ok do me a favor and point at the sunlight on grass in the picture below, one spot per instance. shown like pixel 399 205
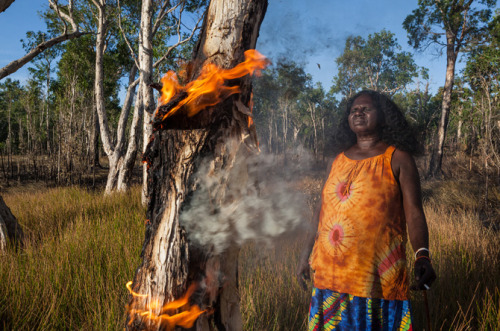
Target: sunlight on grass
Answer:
pixel 82 248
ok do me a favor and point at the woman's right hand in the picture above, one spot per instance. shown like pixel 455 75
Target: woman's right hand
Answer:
pixel 303 272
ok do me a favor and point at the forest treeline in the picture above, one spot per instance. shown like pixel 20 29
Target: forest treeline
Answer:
pixel 67 119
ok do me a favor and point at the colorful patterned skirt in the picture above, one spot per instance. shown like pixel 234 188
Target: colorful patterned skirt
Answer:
pixel 331 310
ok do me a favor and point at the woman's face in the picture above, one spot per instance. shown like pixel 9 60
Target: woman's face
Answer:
pixel 363 116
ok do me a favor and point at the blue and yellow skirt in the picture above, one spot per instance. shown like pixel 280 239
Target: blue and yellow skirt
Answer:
pixel 331 310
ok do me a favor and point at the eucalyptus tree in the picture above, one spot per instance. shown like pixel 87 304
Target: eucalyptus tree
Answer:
pixel 212 145
pixel 312 102
pixel 291 79
pixel 160 16
pixel 454 25
pixel 11 110
pixel 41 68
pixel 421 109
pixel 265 113
pixel 482 73
pixel 276 101
pixel 375 63
pixel 75 133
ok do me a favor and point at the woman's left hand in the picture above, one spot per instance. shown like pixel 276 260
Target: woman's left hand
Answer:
pixel 424 275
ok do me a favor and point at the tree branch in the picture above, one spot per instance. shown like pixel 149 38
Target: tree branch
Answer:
pixel 162 14
pixel 16 64
pixel 124 114
pixel 125 37
pixel 179 42
pixel 443 16
pixel 63 16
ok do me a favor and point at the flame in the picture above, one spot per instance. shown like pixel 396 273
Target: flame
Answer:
pixel 167 318
pixel 209 89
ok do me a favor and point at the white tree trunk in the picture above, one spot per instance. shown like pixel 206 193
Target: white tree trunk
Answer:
pixel 125 171
pixel 437 153
pixel 146 78
pixel 312 112
pixel 115 153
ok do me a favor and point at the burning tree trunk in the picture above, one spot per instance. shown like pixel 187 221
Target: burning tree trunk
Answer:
pixel 9 227
pixel 182 150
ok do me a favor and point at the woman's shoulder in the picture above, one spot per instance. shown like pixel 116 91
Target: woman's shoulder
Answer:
pixel 402 160
pixel 401 155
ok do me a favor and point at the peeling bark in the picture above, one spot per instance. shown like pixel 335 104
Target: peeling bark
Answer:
pixel 146 78
pixel 217 138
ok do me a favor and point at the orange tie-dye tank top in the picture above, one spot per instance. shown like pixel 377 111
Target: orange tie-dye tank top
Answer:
pixel 361 239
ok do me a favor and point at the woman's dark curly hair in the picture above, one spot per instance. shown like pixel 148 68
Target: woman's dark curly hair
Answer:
pixel 394 129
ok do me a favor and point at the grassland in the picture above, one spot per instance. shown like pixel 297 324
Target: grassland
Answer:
pixel 82 248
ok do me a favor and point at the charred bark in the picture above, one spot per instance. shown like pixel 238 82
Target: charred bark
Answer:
pixel 180 147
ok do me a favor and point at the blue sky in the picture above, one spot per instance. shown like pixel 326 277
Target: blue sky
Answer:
pixel 312 32
pixel 315 31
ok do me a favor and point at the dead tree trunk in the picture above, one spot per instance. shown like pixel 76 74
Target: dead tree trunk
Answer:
pixel 212 140
pixel 9 227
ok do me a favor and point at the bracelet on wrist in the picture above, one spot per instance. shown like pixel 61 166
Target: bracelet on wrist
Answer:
pixel 423 249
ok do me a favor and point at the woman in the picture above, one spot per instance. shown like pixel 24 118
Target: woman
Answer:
pixel 370 197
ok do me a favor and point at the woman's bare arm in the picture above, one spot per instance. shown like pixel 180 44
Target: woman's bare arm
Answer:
pixel 405 171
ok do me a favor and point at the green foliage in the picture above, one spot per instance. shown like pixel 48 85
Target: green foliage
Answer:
pixel 275 95
pixel 376 63
pixel 480 93
pixel 447 22
pixel 483 63
pixel 422 111
pixel 11 109
pixel 289 108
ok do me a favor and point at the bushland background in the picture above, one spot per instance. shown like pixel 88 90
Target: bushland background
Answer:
pixel 84 237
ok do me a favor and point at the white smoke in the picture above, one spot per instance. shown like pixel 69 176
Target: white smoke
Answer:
pixel 259 204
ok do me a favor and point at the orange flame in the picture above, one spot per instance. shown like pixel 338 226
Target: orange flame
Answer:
pixel 209 89
pixel 167 318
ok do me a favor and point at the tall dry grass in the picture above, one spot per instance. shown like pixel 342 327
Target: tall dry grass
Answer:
pixel 81 250
pixel 466 256
pixel 465 245
pixel 83 247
